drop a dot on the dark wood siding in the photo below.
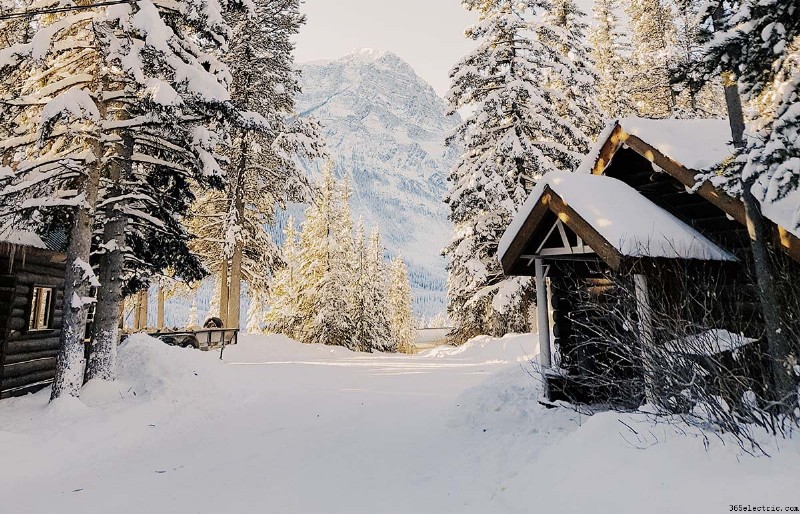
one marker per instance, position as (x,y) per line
(28,357)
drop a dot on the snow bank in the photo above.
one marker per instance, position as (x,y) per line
(291,427)
(509,348)
(634,225)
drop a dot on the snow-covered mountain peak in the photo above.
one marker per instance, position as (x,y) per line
(385,128)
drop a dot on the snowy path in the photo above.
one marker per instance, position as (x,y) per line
(287,428)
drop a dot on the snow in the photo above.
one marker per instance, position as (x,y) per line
(710,342)
(696,143)
(283,427)
(631,223)
(12,236)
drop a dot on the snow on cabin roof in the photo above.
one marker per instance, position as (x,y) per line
(696,143)
(631,223)
(12,236)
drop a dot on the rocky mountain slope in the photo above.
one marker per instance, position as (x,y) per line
(385,129)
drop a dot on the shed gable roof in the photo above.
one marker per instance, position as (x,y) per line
(615,220)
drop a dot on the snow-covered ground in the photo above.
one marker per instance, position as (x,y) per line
(282,427)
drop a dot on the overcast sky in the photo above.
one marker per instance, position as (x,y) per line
(428,34)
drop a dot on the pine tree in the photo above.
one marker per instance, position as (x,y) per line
(652,28)
(324,308)
(360,291)
(262,168)
(144,84)
(401,318)
(285,302)
(533,111)
(757,45)
(695,96)
(167,119)
(378,333)
(55,159)
(255,314)
(608,52)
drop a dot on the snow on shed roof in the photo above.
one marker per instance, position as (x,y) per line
(12,236)
(631,223)
(696,143)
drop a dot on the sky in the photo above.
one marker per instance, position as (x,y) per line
(428,34)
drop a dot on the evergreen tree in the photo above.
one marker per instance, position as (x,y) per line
(695,96)
(324,308)
(609,52)
(757,46)
(530,88)
(262,168)
(379,336)
(652,29)
(361,280)
(284,314)
(401,317)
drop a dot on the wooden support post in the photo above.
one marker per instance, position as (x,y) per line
(542,317)
(544,325)
(224,293)
(161,300)
(646,334)
(140,311)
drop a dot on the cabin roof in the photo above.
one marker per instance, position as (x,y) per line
(697,144)
(689,150)
(19,237)
(614,219)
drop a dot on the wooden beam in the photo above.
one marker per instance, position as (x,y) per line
(685,176)
(608,150)
(584,229)
(728,204)
(522,237)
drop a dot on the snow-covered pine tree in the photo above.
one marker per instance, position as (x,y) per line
(379,336)
(169,117)
(652,30)
(359,291)
(255,313)
(263,172)
(284,314)
(695,95)
(55,84)
(757,45)
(324,308)
(760,42)
(531,113)
(401,316)
(192,321)
(609,52)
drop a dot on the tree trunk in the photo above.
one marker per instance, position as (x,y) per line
(777,343)
(235,291)
(70,363)
(223,292)
(108,315)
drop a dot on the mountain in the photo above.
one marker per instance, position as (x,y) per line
(385,129)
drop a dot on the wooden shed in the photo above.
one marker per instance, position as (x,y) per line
(635,211)
(31,296)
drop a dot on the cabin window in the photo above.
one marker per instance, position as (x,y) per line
(41,311)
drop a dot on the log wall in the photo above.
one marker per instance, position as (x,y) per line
(28,357)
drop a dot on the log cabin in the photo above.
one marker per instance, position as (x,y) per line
(31,295)
(638,210)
